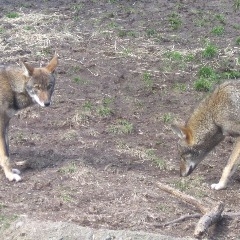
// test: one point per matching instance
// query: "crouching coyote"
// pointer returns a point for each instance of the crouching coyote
(21, 87)
(217, 116)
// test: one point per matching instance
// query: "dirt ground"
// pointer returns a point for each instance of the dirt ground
(126, 73)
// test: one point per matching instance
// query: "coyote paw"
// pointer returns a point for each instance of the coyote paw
(14, 175)
(218, 186)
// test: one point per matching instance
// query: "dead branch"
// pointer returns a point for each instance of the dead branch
(211, 214)
(209, 219)
(183, 196)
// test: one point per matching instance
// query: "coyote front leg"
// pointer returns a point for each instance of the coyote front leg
(11, 174)
(230, 168)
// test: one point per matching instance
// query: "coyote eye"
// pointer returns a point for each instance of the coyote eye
(37, 87)
(50, 85)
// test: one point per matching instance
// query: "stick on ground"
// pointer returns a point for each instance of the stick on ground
(211, 214)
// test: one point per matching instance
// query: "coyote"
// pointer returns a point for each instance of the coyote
(21, 87)
(217, 116)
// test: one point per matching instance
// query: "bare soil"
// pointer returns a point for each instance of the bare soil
(95, 155)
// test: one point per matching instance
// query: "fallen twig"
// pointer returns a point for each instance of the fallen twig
(211, 214)
(183, 196)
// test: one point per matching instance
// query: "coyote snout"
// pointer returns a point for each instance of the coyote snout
(217, 116)
(186, 168)
(20, 88)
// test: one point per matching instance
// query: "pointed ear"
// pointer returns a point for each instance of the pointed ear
(52, 64)
(184, 133)
(27, 69)
(179, 131)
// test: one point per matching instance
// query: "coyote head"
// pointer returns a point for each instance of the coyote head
(190, 154)
(40, 82)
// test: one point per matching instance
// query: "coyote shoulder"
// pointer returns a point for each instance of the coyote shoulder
(21, 87)
(217, 116)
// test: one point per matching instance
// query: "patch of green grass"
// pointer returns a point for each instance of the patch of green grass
(210, 51)
(113, 24)
(77, 7)
(203, 84)
(238, 41)
(66, 197)
(220, 18)
(207, 72)
(164, 207)
(126, 52)
(46, 51)
(1, 30)
(151, 32)
(202, 21)
(147, 79)
(236, 26)
(105, 110)
(122, 126)
(158, 161)
(27, 28)
(122, 33)
(207, 77)
(107, 101)
(26, 5)
(231, 74)
(167, 118)
(218, 30)
(70, 168)
(174, 55)
(5, 221)
(236, 5)
(180, 87)
(189, 57)
(79, 80)
(12, 15)
(182, 184)
(175, 21)
(87, 105)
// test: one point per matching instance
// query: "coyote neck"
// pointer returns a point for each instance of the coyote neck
(203, 127)
(21, 100)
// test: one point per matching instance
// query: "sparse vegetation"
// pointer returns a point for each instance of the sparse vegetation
(180, 87)
(79, 80)
(5, 221)
(206, 78)
(238, 41)
(167, 118)
(175, 21)
(68, 169)
(210, 51)
(12, 15)
(148, 81)
(151, 155)
(236, 5)
(219, 30)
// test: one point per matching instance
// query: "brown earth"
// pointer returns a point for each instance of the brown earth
(126, 72)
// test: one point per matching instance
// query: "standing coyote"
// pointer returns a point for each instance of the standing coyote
(217, 116)
(19, 88)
